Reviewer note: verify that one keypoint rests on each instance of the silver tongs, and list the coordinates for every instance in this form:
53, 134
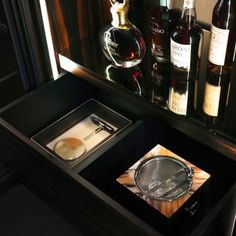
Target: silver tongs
101, 125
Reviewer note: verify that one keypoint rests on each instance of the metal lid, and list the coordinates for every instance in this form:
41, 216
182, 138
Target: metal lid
70, 148
163, 177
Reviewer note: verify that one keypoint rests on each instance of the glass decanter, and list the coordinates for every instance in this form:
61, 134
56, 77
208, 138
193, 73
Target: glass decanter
122, 42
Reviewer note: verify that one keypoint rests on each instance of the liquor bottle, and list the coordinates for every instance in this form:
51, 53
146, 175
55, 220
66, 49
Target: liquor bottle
121, 41
220, 58
185, 58
160, 32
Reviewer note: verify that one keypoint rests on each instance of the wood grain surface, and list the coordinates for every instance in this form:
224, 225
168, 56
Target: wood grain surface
167, 208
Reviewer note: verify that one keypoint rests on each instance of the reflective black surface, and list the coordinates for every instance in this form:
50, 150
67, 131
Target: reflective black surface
149, 79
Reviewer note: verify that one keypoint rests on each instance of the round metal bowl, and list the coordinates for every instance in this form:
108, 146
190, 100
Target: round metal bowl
70, 148
163, 177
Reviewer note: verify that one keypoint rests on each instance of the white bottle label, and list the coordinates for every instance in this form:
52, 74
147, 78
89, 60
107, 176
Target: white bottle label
218, 45
181, 55
178, 102
211, 99
189, 4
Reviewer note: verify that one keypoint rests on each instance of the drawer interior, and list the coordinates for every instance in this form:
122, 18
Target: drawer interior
103, 173
55, 100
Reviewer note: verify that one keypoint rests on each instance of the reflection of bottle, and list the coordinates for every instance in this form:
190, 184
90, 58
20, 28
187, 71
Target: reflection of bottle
185, 54
220, 58
160, 83
160, 32
129, 78
122, 42
181, 96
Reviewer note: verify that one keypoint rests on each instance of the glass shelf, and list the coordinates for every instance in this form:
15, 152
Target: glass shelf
85, 58
143, 80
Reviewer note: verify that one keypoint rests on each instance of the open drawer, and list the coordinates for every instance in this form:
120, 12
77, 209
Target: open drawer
90, 190
105, 171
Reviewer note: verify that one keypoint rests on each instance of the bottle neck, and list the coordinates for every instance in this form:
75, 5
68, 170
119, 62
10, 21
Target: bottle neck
189, 12
120, 17
223, 14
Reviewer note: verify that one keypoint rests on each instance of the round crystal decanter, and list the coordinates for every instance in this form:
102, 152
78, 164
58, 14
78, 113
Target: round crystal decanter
122, 42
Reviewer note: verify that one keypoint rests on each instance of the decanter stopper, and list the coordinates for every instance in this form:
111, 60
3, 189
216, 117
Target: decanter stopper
119, 13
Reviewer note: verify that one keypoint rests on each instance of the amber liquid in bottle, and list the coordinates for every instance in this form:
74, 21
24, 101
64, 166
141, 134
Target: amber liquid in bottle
185, 57
220, 58
121, 41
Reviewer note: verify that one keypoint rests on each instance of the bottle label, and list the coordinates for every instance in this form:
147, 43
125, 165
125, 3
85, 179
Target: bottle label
180, 55
218, 45
156, 27
110, 46
178, 102
211, 99
158, 35
189, 4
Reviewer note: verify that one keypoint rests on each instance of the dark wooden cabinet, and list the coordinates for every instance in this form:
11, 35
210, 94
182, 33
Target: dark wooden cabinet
11, 86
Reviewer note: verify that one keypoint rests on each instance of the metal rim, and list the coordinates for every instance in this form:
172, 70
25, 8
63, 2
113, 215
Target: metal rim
184, 166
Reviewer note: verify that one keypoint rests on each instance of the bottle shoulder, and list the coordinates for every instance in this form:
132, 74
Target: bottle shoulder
185, 34
129, 29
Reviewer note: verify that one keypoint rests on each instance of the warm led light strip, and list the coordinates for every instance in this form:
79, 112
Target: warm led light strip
48, 34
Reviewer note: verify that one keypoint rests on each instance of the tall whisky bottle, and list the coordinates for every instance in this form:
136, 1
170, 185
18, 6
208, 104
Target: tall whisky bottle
121, 41
185, 56
160, 32
220, 58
